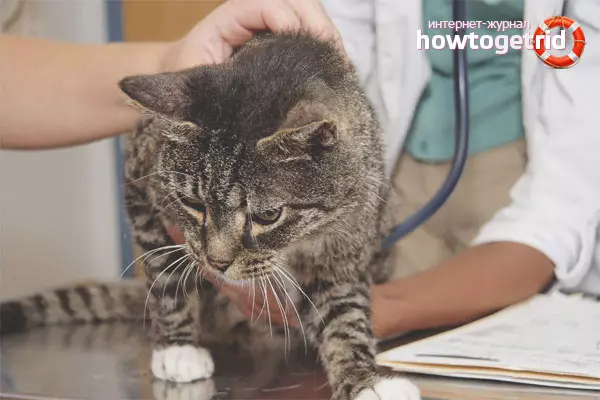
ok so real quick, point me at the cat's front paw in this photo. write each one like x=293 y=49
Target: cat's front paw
x=182 y=363
x=201 y=390
x=391 y=389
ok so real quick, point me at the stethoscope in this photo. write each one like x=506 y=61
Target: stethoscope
x=461 y=134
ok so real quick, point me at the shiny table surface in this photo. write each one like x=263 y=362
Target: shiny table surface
x=110 y=362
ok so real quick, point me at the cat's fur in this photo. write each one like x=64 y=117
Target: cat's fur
x=283 y=125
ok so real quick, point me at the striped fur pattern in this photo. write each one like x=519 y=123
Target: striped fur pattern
x=271 y=164
x=84 y=303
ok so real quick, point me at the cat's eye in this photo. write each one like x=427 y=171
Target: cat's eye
x=267 y=217
x=194 y=204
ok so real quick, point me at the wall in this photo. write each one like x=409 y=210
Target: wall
x=163 y=20
x=58 y=208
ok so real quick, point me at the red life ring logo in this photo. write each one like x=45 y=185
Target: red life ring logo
x=542 y=48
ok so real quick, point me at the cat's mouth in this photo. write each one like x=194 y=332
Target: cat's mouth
x=258 y=275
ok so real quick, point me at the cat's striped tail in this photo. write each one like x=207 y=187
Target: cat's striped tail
x=83 y=303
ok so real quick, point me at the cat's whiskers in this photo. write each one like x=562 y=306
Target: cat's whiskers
x=347 y=206
x=170 y=275
x=167 y=196
x=182 y=280
x=266 y=300
x=190 y=269
x=263 y=306
x=200 y=277
x=220 y=280
x=155 y=173
x=375 y=184
x=131 y=182
x=163 y=209
x=338 y=231
x=293 y=281
x=253 y=299
x=154 y=283
x=286 y=329
x=180 y=262
x=150 y=252
x=197 y=280
x=252 y=236
x=348 y=210
x=179 y=283
x=278 y=278
x=338 y=223
x=167 y=171
x=250 y=284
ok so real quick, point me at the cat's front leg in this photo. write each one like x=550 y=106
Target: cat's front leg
x=176 y=356
x=340 y=327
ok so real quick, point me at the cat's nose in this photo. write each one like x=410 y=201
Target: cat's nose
x=221 y=265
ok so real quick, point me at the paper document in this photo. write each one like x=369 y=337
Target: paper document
x=550 y=340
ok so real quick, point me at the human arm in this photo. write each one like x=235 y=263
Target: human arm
x=59 y=94
x=56 y=94
x=475 y=282
x=550 y=226
x=555 y=205
x=548 y=229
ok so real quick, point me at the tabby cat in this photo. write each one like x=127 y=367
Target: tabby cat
x=271 y=164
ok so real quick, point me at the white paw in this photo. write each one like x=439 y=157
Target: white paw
x=391 y=389
x=182 y=363
x=201 y=390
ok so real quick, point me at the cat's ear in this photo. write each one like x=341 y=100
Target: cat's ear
x=307 y=131
x=167 y=93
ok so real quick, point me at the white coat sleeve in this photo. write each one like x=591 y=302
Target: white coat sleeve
x=555 y=205
x=355 y=21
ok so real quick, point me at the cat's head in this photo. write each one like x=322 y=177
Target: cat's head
x=262 y=152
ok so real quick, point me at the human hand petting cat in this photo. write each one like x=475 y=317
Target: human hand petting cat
x=67 y=115
x=234 y=22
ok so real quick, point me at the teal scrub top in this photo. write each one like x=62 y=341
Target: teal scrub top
x=494 y=86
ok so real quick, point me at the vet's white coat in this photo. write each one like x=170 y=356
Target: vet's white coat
x=555 y=205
